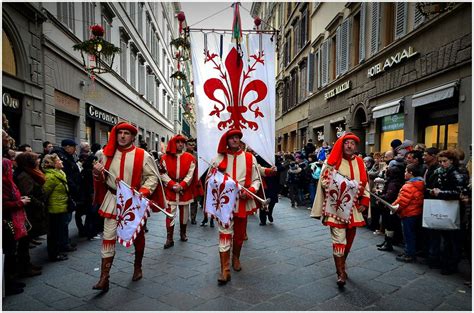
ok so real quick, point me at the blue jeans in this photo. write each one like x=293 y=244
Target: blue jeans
x=409 y=225
x=312 y=191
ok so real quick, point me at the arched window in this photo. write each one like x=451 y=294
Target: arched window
x=8 y=57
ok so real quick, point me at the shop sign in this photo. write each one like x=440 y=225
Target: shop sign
x=101 y=115
x=333 y=92
x=10 y=102
x=391 y=61
x=393 y=122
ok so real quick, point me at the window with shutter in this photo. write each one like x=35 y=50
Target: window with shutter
x=133 y=68
x=419 y=18
x=141 y=77
x=311 y=71
x=363 y=9
x=325 y=63
x=133 y=13
x=303 y=81
x=338 y=51
x=150 y=93
x=89 y=18
x=375 y=28
x=317 y=68
x=344 y=46
x=123 y=60
x=401 y=19
x=140 y=19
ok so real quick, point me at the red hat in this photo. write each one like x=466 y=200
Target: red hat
x=222 y=148
x=335 y=157
x=171 y=148
x=111 y=146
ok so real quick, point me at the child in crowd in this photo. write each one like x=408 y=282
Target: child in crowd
x=410 y=201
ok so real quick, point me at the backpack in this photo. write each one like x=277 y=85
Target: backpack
x=316 y=173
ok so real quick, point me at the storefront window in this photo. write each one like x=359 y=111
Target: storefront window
x=387 y=137
x=442 y=136
x=89 y=134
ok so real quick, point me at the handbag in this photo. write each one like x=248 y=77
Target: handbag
x=441 y=214
x=71 y=204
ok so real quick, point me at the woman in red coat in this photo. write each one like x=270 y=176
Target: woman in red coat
x=410 y=201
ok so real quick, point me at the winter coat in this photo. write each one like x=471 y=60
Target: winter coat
x=36 y=210
x=294 y=176
x=74 y=180
x=430 y=180
x=451 y=182
x=411 y=198
x=393 y=183
x=56 y=191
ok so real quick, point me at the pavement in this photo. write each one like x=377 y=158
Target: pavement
x=286 y=266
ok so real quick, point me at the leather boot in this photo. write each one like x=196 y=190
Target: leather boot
x=169 y=237
x=236 y=258
x=137 y=272
x=224 y=275
x=103 y=283
x=341 y=276
x=182 y=232
x=387 y=246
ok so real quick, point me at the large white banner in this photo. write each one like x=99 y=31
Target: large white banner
x=234 y=93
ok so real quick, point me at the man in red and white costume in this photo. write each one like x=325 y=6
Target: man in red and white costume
x=343 y=159
x=242 y=167
x=178 y=180
x=136 y=168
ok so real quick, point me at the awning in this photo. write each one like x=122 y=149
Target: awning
x=434 y=95
x=385 y=109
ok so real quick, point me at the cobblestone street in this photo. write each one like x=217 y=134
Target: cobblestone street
x=287 y=265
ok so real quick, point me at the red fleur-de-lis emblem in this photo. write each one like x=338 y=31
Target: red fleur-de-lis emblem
x=235 y=83
x=340 y=197
x=219 y=195
x=125 y=212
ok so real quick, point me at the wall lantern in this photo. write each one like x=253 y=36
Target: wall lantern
x=98 y=50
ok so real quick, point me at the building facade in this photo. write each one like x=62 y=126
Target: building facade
x=382 y=71
x=69 y=103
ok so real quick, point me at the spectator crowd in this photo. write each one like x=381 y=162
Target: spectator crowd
x=43 y=191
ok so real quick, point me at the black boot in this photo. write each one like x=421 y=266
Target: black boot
x=387 y=246
x=380 y=245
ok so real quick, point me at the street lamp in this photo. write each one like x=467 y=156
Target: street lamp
x=98 y=49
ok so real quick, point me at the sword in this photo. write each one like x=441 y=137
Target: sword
x=264 y=202
x=393 y=208
x=136 y=192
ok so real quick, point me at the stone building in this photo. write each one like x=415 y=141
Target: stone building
x=380 y=70
x=69 y=102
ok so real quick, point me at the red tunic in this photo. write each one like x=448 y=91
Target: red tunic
x=179 y=170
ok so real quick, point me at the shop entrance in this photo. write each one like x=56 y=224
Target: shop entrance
x=358 y=128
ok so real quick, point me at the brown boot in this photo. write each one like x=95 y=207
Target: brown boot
x=182 y=232
x=236 y=258
x=341 y=274
x=103 y=283
x=169 y=237
x=137 y=272
x=224 y=275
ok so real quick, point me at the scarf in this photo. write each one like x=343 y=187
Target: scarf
x=37 y=175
